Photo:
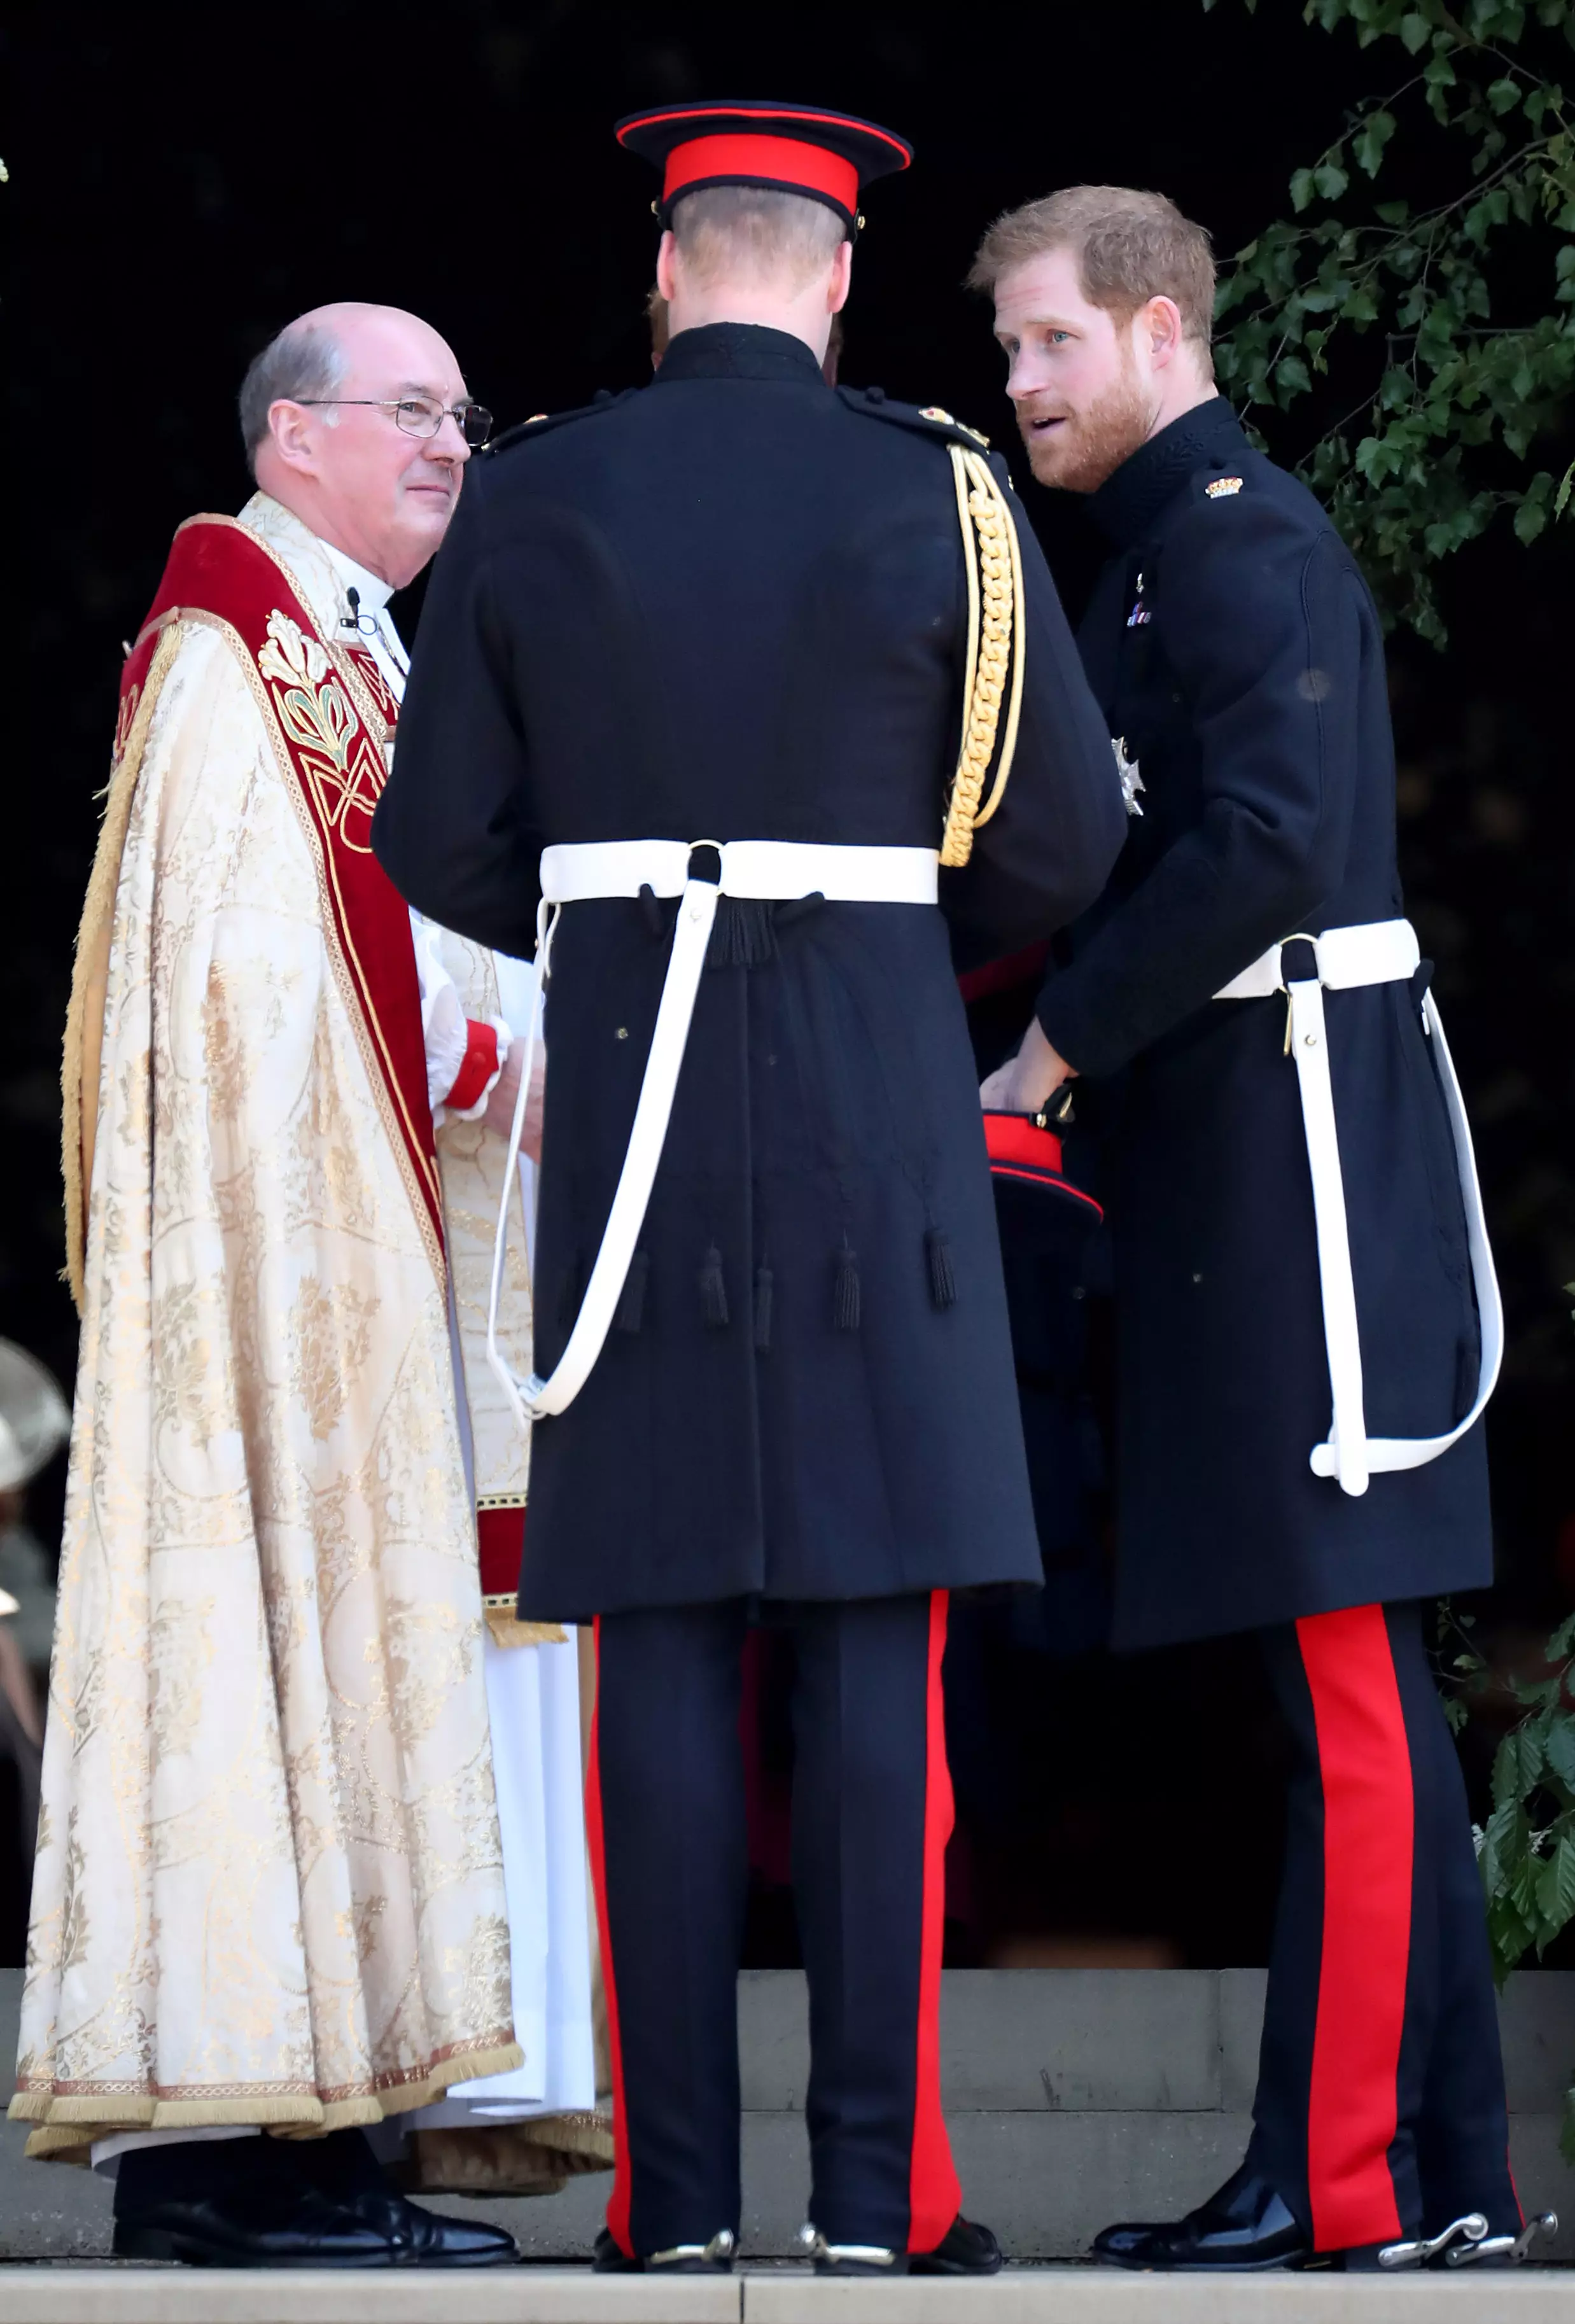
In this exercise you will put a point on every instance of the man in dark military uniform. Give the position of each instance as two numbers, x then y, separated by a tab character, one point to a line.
695	671
1296	1233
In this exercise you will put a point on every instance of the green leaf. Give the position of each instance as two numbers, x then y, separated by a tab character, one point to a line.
1414	31
1506	1758
1556	1889
1508	1935
1291	378
1331	180
1504	94
1394	213
1561	1738
1301	189
1371	139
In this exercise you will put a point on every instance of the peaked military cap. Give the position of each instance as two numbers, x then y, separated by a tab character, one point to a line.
793	149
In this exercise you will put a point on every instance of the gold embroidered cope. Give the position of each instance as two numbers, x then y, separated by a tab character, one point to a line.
269	1884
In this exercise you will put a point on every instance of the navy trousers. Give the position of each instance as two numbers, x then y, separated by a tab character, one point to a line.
871	1813
1380	2106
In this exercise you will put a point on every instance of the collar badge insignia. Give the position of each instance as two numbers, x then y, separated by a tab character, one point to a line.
1131	780
1222	487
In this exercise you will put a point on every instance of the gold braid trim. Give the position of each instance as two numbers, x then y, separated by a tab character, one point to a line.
68	2126
992	559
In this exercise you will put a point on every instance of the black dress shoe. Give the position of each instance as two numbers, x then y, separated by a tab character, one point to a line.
301	2228
965	2249
714	2258
1245	2226
414	2236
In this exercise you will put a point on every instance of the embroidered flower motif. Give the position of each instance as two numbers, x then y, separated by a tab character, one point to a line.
319	718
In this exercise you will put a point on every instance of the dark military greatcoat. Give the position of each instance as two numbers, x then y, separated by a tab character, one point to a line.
1237	653
732	604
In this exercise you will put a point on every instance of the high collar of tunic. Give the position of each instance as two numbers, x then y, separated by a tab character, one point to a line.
738	351
1127	503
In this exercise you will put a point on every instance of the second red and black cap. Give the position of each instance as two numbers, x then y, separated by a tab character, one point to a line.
794	149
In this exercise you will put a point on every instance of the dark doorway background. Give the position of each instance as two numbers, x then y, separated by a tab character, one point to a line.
185	179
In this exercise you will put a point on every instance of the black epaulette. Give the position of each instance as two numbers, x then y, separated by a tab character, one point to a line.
924	420
541	423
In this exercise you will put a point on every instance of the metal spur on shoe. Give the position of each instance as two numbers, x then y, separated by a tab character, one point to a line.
1466	2241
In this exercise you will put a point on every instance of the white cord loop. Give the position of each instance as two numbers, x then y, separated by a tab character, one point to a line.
769	869
1377	952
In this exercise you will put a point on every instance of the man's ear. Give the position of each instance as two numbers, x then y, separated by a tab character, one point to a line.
1162	333
841	278
666	269
289	425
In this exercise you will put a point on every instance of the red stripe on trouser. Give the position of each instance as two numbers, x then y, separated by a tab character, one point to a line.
935	2198
617	2203
1368	1831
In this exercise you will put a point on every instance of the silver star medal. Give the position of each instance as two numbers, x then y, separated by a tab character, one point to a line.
1131	780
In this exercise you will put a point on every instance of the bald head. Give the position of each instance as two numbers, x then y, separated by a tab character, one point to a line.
319	420
312	357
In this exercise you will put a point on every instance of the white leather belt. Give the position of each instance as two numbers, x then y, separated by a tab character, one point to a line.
1380	952
766	869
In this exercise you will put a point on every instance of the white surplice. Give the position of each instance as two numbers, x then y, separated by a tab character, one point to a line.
532	1691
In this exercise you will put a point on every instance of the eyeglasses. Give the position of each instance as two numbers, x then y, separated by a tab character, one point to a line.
418	415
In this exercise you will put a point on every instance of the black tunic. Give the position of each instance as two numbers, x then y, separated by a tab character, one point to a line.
733	606
1237	651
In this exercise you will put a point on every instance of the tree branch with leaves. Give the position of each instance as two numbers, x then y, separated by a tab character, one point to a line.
1390	313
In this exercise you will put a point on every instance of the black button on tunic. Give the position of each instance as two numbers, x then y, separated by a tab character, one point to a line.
733	606
1236	650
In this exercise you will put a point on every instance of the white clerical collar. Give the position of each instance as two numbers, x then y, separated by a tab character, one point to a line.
371	594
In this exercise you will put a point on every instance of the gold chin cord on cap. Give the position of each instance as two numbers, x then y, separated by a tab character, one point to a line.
994	565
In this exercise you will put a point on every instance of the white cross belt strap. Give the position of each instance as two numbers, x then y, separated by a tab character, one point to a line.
1380	952
765	870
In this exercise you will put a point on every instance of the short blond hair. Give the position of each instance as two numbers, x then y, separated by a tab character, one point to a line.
1130	246
722	231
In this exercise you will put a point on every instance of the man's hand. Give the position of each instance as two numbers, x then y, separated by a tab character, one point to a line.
1029	1080
500	1114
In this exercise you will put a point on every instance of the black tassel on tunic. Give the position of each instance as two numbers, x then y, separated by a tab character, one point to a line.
629	1313
713	1289
742	936
762	1309
939	1257
845	1296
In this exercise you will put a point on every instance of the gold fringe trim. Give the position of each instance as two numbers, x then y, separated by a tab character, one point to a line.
71	2126
993	562
507	1630
588	2136
534	2157
84	1042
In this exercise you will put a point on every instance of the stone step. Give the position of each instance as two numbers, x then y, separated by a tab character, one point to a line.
540	2295
1073	2096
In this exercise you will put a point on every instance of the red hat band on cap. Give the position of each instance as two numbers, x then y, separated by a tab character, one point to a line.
776	161
795	149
